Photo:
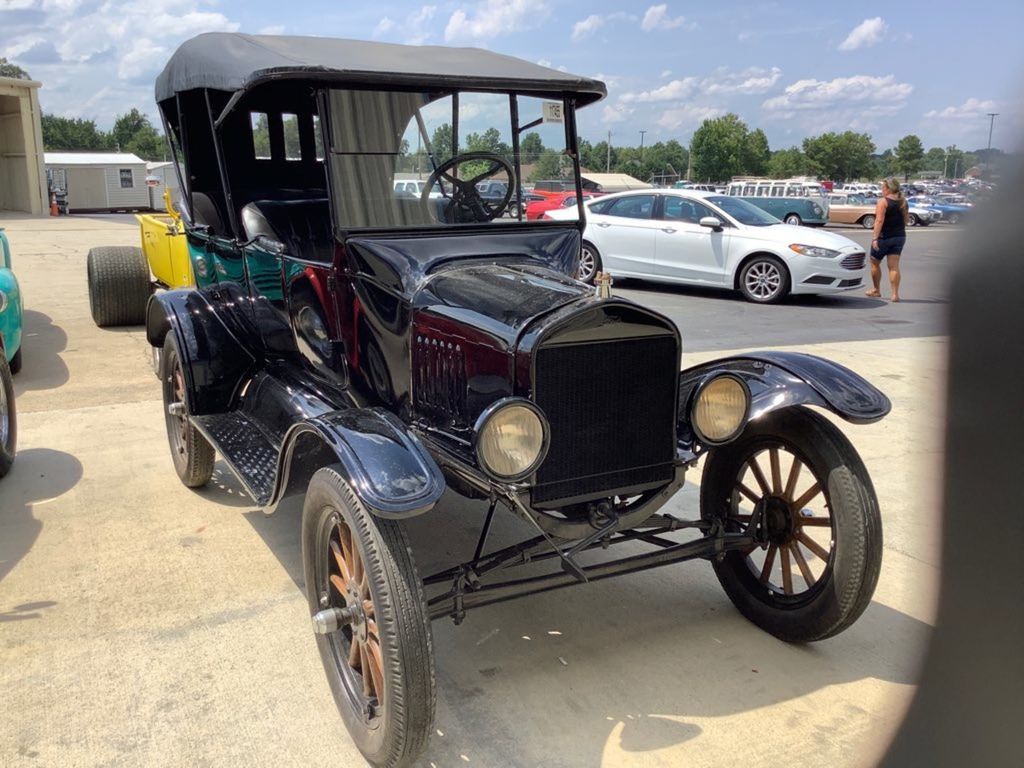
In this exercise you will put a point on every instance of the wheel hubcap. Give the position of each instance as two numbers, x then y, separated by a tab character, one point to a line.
587	265
763	280
781	502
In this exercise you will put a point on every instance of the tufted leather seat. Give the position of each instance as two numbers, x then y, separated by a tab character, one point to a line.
302	226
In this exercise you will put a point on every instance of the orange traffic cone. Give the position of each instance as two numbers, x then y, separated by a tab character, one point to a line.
53	205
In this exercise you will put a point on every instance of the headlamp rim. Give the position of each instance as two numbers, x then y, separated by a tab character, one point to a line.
489	413
696	398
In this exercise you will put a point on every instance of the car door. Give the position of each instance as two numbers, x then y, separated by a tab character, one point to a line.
686	250
624	232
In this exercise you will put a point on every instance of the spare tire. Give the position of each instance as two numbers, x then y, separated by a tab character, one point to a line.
119	285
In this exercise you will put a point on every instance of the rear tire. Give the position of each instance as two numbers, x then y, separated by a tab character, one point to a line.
868	221
119	285
590	263
8	417
191	453
15	363
794	219
915	221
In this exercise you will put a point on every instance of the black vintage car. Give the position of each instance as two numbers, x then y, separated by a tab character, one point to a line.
369	350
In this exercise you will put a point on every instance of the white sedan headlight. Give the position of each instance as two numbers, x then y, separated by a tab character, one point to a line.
813	250
511	439
720	409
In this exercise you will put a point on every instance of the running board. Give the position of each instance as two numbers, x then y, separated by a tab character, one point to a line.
250	455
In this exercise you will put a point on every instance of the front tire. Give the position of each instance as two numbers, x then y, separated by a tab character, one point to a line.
119	285
16	361
192	455
380	667
764	280
818	514
794	219
590	263
915	220
8	417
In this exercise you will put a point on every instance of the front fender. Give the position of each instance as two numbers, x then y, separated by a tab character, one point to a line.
388	468
784	379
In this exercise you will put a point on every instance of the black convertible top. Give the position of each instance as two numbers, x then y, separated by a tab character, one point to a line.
235	62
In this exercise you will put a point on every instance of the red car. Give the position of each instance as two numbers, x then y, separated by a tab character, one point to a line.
535	209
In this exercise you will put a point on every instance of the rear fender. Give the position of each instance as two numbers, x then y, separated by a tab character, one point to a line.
217	354
388	468
780	380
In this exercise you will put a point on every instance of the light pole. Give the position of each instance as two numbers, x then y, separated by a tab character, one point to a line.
642	146
608	159
988	153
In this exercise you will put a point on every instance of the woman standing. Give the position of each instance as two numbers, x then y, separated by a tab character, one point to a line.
890	235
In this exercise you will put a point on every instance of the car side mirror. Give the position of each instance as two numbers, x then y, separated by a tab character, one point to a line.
711	222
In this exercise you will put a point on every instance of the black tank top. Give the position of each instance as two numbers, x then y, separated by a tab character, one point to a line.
893	225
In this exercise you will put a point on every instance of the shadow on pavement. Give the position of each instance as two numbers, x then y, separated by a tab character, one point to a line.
39	475
42	343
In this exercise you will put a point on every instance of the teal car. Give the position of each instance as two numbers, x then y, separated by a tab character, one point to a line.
10	353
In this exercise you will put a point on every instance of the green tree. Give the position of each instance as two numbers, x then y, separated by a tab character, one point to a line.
786	163
530	147
441	143
885	164
596	157
551	165
663	160
71	134
10	69
909	155
756	153
840	156
934	160
720	148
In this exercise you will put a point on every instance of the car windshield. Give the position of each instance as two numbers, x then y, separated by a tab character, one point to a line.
466	140
742	211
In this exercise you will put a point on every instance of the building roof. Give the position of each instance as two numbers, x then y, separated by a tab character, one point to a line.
616	182
228	61
92	158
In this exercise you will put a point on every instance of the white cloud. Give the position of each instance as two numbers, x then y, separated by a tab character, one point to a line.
687	116
495	17
864	35
884	93
657	17
273	29
970	109
666	73
587	27
384	26
671	91
747	81
615	113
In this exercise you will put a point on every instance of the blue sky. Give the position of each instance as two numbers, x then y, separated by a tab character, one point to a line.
793	69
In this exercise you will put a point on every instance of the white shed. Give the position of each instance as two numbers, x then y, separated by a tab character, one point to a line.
99	181
161	176
21	148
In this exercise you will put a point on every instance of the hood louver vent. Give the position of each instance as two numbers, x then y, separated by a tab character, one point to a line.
439	379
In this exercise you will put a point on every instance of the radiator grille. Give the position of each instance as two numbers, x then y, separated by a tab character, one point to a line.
611	406
853	261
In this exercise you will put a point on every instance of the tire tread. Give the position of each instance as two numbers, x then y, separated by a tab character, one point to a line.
119	285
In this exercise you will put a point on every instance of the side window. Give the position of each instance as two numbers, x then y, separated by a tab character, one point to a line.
748	190
292	145
260	135
683	210
777	190
127	180
638	207
599	207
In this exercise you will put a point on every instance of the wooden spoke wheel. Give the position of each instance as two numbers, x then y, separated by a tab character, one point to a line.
376	647
797	485
192	454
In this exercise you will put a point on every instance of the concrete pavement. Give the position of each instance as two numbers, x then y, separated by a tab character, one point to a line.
144	624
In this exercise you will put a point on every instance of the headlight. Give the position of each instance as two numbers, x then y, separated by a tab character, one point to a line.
720	409
511	439
813	250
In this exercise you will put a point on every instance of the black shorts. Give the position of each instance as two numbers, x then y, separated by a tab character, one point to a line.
888	246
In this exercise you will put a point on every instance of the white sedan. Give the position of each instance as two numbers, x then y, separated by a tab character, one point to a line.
703	238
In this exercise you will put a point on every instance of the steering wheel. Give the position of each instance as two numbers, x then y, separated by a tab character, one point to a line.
467	204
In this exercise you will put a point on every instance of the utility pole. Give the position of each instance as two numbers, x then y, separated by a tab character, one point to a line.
642	145
988	154
608	161
945	164
689	162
